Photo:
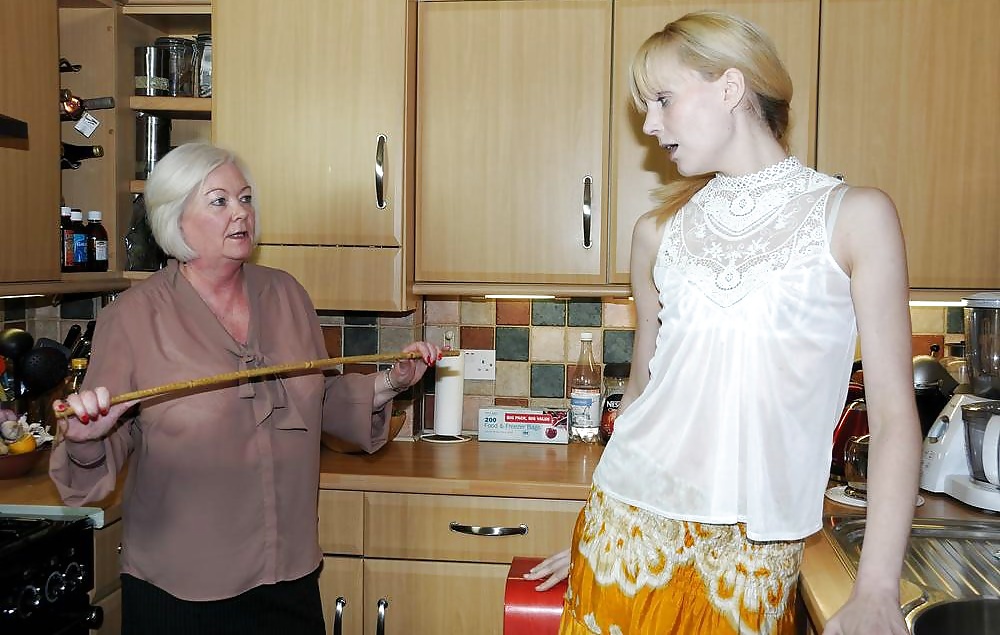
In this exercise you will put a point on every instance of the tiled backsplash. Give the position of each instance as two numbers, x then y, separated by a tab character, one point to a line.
537	342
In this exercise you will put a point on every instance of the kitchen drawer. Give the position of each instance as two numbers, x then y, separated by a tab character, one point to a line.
341	522
416	526
107	567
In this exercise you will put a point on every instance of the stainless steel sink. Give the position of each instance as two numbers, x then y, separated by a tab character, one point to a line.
954	565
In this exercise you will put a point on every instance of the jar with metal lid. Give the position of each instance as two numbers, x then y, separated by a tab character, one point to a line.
180	65
203	53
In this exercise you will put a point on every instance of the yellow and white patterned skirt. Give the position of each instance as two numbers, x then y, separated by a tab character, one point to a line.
636	573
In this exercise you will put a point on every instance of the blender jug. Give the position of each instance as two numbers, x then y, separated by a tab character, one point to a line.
982	351
982	441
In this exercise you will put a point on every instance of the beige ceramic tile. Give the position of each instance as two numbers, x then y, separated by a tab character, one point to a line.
928	319
441	311
470	411
331	320
573	344
619	313
44	328
392	339
398	319
438	335
46	311
547	344
547	402
481	387
513	379
478	311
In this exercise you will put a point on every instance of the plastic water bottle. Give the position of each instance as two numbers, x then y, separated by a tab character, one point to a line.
585	394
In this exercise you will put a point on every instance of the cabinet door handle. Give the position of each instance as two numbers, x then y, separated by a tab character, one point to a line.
473	530
338	616
383	604
380	171
587	186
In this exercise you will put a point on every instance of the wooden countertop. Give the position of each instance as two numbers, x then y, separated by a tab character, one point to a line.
521	470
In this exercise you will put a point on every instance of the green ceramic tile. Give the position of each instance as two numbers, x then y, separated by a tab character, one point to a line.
360	340
358	318
512	343
548	380
585	312
955	319
548	312
618	346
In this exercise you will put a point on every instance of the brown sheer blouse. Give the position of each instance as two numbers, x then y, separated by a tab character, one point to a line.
222	485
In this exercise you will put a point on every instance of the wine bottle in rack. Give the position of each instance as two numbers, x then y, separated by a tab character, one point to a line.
72	107
74	155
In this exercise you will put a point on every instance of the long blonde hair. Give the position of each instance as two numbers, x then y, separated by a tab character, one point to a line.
710	43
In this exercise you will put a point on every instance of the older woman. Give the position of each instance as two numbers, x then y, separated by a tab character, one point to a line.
220	520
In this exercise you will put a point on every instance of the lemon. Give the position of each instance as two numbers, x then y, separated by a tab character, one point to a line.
22	445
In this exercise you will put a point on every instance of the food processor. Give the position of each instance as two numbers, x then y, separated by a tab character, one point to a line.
960	457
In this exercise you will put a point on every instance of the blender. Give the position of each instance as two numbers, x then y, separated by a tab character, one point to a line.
960	452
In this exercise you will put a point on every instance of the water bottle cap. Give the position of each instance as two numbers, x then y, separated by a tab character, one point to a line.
586	336
76	215
94	215
65	211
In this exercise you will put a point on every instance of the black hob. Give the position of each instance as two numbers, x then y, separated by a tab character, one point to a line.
46	573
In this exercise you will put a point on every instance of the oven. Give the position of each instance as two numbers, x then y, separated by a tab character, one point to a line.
46	575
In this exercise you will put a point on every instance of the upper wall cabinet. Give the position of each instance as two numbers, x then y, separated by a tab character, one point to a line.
512	106
638	165
514	114
908	104
29	167
314	95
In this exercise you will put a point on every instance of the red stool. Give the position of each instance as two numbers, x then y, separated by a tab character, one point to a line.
527	611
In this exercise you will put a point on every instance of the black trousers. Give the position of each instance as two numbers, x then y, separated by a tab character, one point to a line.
285	608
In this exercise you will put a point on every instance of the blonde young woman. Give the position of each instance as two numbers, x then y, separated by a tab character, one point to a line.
751	284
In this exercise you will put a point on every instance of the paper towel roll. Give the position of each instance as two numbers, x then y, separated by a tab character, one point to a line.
449	382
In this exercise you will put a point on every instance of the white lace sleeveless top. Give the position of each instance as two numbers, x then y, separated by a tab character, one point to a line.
753	355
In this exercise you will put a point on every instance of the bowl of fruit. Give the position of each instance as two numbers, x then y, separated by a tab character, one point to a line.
20	450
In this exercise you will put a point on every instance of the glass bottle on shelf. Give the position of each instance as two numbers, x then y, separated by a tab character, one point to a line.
66	261
71	107
97	242
79	240
585	394
77	371
72	156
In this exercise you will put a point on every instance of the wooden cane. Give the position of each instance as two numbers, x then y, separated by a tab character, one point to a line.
277	369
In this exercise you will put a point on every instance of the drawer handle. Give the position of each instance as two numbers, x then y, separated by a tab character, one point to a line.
473	530
380	171
338	616
383	606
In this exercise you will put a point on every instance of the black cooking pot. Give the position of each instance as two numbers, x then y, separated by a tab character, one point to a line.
933	386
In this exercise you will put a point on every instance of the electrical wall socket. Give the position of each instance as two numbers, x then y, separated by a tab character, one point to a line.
480	364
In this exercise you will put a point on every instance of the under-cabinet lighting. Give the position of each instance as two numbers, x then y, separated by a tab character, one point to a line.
22	295
933	303
514	296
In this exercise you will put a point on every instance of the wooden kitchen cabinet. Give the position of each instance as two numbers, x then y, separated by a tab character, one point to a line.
907	104
512	107
638	165
29	168
314	95
431	577
107	577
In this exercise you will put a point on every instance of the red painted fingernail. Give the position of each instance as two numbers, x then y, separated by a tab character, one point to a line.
440	355
84	418
60	406
104	411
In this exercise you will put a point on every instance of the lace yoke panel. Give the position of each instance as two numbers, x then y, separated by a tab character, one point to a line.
737	231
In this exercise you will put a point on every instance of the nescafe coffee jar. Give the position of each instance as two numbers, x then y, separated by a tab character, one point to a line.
615	381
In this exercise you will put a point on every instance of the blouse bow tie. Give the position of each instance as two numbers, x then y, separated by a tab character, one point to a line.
267	393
